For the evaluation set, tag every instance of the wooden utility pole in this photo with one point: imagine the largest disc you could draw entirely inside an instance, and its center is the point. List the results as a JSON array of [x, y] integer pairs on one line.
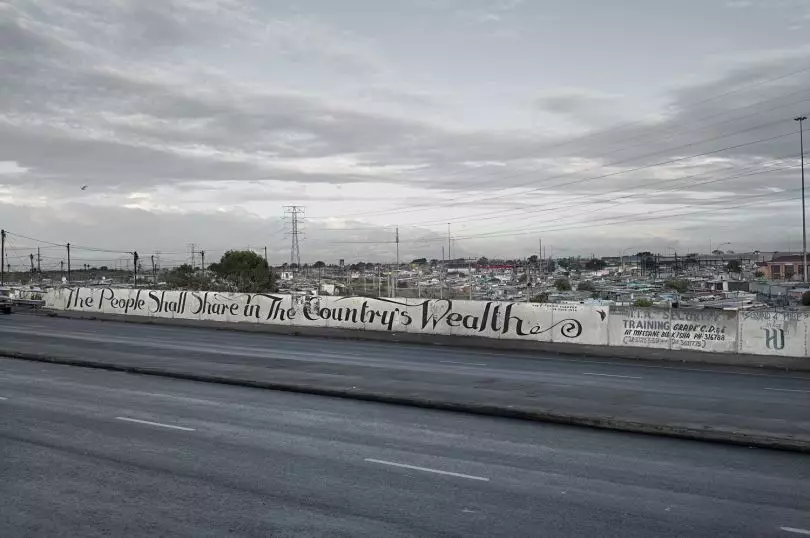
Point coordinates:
[[2, 256]]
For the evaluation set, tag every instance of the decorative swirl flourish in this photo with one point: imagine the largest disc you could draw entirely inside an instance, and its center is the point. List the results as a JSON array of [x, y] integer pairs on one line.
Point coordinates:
[[571, 328]]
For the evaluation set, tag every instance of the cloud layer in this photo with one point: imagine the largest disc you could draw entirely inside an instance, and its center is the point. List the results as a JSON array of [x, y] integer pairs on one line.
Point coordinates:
[[203, 118]]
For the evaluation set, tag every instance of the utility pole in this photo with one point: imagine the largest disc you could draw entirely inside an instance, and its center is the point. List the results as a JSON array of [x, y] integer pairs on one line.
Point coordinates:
[[135, 268], [68, 262], [449, 250], [61, 269], [202, 257], [801, 119], [2, 256], [469, 273], [154, 270], [294, 214], [32, 262], [39, 262], [396, 275], [265, 255]]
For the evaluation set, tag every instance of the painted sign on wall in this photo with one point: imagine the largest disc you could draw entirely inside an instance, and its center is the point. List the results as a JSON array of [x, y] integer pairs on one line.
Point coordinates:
[[774, 332], [699, 330]]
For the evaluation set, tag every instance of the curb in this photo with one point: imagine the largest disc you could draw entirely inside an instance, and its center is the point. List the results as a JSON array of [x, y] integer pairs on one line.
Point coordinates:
[[605, 423]]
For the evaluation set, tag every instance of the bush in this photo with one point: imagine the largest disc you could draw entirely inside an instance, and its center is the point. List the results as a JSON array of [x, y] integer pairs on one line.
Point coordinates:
[[562, 284], [586, 286], [678, 284], [643, 303]]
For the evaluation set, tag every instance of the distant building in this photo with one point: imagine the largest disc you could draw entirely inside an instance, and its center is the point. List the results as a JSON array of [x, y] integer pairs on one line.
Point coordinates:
[[788, 267]]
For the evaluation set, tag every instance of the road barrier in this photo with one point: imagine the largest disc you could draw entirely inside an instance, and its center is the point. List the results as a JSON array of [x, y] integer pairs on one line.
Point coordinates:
[[772, 332]]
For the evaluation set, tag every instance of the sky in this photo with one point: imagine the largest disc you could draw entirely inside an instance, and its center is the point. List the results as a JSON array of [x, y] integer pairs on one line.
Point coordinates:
[[591, 127]]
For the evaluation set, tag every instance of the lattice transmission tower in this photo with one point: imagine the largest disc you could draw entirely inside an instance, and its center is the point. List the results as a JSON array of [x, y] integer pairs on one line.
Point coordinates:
[[294, 214]]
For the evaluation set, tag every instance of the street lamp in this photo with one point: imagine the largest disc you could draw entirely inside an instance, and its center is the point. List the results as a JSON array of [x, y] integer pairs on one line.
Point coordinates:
[[801, 119]]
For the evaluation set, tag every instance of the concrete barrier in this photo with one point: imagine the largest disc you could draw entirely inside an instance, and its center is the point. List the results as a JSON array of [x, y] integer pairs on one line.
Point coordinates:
[[486, 319], [677, 334]]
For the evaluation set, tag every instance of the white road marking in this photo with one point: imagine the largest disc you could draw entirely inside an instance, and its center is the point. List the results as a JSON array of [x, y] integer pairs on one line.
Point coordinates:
[[787, 390], [156, 424], [464, 363], [612, 375], [795, 530], [427, 470]]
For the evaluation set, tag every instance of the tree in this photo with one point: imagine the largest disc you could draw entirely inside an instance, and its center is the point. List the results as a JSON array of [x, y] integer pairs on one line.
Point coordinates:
[[482, 261], [562, 284], [806, 298], [733, 266], [550, 266], [540, 298], [181, 277], [245, 271], [644, 303], [419, 261], [595, 264], [680, 285], [318, 264], [533, 259], [586, 286]]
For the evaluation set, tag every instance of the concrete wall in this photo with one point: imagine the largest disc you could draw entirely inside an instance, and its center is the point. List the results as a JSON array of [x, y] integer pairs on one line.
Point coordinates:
[[774, 333], [491, 319]]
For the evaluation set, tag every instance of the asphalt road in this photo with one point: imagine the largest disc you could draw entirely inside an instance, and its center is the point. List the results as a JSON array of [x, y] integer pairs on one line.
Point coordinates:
[[93, 453], [735, 399]]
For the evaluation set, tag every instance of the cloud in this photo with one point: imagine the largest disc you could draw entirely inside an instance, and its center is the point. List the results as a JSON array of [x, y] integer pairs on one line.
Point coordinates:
[[578, 104], [209, 111]]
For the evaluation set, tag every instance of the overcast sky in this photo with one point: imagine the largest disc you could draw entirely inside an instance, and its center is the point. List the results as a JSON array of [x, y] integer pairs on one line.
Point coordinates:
[[596, 126]]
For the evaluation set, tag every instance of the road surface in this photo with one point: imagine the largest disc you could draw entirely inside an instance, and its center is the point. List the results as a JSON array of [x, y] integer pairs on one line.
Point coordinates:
[[733, 399], [93, 453]]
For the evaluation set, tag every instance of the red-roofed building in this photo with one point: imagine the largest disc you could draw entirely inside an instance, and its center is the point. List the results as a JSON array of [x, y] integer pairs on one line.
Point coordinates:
[[788, 267]]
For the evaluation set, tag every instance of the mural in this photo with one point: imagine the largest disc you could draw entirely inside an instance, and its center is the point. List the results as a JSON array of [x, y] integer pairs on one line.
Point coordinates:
[[490, 319], [767, 332]]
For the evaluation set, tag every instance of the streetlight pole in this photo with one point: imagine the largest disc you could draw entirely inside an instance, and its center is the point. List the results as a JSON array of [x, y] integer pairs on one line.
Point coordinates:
[[801, 119]]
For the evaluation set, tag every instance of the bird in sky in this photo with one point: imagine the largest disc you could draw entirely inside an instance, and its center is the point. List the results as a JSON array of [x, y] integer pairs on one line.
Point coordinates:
[[84, 187]]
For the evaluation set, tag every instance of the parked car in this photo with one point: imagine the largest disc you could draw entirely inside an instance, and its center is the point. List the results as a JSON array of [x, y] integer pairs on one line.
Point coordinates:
[[5, 301]]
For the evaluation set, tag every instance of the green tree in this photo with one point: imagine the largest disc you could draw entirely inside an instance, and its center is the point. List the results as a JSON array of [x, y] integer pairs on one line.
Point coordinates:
[[642, 302], [680, 285], [419, 261], [181, 277], [806, 298], [540, 298], [318, 264], [533, 259], [586, 286], [562, 284], [482, 261], [245, 271], [595, 264], [733, 266]]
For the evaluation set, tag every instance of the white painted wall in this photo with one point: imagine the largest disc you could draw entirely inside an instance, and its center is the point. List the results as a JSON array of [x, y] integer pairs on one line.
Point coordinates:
[[490, 319], [773, 332], [674, 328], [761, 332]]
